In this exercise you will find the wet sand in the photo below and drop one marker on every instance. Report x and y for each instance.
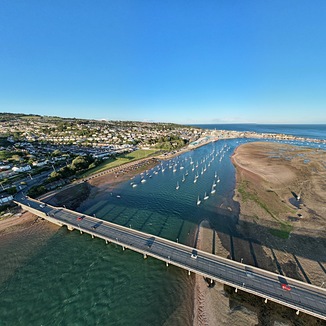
(16, 221)
(214, 305)
(281, 228)
(282, 195)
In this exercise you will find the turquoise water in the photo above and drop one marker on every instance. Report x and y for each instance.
(72, 279)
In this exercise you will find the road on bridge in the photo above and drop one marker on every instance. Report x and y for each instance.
(286, 291)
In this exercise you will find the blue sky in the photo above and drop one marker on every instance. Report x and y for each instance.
(179, 61)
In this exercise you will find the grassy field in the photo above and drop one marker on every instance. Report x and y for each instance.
(122, 159)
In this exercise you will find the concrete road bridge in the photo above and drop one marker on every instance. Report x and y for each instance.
(289, 292)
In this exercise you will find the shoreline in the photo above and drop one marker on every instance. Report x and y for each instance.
(206, 299)
(16, 220)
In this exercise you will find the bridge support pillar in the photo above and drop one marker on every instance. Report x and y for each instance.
(70, 228)
(92, 236)
(123, 248)
(211, 281)
(81, 232)
(297, 312)
(106, 241)
(167, 264)
(145, 256)
(236, 290)
(188, 272)
(266, 300)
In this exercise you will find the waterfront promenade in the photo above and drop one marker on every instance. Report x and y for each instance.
(297, 295)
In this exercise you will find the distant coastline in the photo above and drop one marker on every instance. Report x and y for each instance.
(311, 131)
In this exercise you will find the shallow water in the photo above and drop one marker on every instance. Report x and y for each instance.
(71, 279)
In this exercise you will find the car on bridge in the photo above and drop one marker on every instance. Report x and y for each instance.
(79, 218)
(194, 254)
(284, 283)
(285, 287)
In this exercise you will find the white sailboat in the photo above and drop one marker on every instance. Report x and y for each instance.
(198, 201)
(206, 196)
(177, 187)
(183, 178)
(213, 189)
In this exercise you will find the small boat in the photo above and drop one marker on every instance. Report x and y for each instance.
(187, 172)
(215, 175)
(206, 196)
(195, 180)
(118, 196)
(183, 179)
(181, 167)
(143, 180)
(213, 189)
(134, 185)
(218, 180)
(193, 169)
(177, 187)
(198, 201)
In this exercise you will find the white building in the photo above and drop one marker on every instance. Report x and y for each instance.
(5, 199)
(22, 168)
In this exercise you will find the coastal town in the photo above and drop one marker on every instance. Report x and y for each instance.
(43, 153)
(61, 163)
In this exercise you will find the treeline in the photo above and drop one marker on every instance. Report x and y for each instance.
(79, 165)
(170, 143)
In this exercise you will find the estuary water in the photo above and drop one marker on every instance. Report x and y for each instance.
(72, 279)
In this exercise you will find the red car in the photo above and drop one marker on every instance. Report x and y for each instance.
(285, 287)
(79, 218)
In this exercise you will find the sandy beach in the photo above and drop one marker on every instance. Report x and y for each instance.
(275, 174)
(277, 231)
(281, 191)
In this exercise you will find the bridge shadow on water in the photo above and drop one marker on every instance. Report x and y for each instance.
(224, 220)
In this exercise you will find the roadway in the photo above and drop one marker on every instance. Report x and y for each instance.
(301, 296)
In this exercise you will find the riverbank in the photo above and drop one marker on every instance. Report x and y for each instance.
(13, 222)
(281, 191)
(212, 305)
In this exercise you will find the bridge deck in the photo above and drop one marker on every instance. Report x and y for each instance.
(302, 296)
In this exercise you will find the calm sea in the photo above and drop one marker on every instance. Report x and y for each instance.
(72, 279)
(315, 131)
